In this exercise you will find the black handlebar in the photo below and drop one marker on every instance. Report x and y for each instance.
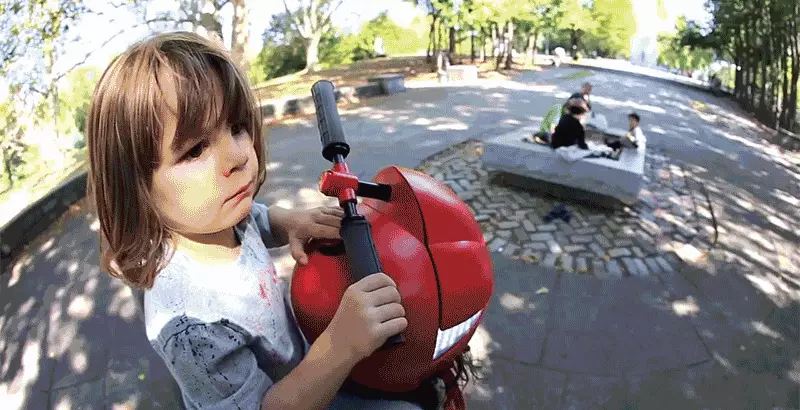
(328, 121)
(356, 231)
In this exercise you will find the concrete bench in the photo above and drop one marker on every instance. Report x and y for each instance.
(390, 83)
(600, 181)
(462, 73)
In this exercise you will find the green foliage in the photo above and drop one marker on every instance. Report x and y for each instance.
(284, 51)
(396, 39)
(675, 53)
(615, 27)
(11, 144)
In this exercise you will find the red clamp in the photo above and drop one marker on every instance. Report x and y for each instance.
(339, 182)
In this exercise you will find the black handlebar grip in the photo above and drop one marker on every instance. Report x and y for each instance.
(363, 256)
(330, 125)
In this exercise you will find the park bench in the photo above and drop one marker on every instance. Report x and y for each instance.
(462, 73)
(389, 83)
(597, 181)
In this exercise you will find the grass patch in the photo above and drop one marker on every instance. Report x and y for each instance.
(576, 75)
(699, 106)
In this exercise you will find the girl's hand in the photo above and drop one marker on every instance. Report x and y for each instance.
(303, 225)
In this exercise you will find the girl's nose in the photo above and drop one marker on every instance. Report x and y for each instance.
(235, 153)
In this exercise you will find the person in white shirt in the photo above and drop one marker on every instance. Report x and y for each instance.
(631, 139)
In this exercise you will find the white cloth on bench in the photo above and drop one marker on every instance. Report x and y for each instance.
(573, 153)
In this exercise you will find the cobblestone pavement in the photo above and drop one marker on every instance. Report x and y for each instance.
(672, 214)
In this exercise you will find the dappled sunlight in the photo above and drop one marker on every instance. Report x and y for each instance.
(778, 222)
(272, 166)
(459, 126)
(686, 307)
(81, 307)
(13, 393)
(422, 121)
(764, 285)
(785, 197)
(481, 345)
(765, 330)
(122, 303)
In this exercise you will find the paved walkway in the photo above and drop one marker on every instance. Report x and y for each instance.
(718, 332)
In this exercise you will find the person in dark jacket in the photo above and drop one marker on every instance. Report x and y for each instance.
(569, 130)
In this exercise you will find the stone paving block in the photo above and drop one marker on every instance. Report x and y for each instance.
(613, 268)
(510, 249)
(619, 252)
(641, 267)
(496, 244)
(586, 231)
(630, 266)
(520, 235)
(504, 234)
(554, 247)
(547, 227)
(580, 265)
(550, 260)
(637, 252)
(541, 237)
(538, 246)
(528, 225)
(581, 239)
(603, 240)
(623, 242)
(665, 266)
(561, 238)
(574, 248)
(597, 249)
(653, 265)
(566, 262)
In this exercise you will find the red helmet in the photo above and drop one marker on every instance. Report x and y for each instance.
(429, 243)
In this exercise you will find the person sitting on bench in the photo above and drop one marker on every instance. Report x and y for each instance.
(585, 93)
(631, 139)
(569, 130)
(549, 123)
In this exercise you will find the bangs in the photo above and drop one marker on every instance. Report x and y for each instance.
(200, 81)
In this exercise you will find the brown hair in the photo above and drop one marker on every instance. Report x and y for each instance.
(124, 131)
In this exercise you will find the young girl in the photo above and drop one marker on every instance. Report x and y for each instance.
(176, 159)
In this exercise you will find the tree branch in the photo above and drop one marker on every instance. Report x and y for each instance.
(294, 21)
(327, 19)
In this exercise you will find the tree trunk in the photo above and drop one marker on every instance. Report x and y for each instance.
(312, 53)
(530, 46)
(483, 45)
(432, 39)
(472, 45)
(510, 45)
(795, 70)
(493, 28)
(500, 50)
(451, 50)
(784, 115)
(239, 34)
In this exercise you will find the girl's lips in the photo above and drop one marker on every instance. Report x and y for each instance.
(240, 193)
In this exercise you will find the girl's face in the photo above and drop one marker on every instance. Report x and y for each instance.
(206, 185)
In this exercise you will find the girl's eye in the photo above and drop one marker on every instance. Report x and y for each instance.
(196, 151)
